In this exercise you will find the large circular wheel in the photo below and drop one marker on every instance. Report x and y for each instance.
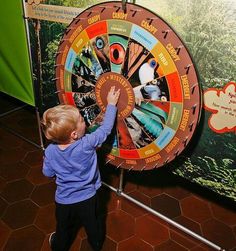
(140, 54)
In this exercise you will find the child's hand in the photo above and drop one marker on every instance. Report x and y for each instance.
(113, 96)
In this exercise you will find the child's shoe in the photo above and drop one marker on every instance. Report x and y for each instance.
(51, 238)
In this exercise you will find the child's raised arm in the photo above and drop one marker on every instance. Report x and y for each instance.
(99, 136)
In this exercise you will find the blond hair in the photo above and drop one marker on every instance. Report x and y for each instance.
(59, 122)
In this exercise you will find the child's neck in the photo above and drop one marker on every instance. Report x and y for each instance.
(65, 145)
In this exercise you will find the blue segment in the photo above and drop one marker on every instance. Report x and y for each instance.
(143, 37)
(70, 60)
(165, 137)
(150, 124)
(115, 143)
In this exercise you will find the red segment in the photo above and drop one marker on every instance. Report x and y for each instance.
(129, 154)
(175, 89)
(97, 29)
(165, 106)
(125, 140)
(69, 98)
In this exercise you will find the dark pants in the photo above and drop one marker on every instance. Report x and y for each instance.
(70, 218)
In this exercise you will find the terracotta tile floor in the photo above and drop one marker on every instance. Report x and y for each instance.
(27, 204)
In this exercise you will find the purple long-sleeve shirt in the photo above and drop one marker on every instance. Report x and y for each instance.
(75, 168)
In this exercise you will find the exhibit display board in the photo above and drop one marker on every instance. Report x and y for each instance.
(15, 72)
(138, 53)
(208, 36)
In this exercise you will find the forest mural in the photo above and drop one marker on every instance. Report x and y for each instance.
(207, 28)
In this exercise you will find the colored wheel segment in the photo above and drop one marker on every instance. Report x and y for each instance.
(141, 55)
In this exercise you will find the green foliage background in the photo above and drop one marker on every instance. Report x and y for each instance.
(208, 30)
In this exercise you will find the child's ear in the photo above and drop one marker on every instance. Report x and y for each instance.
(74, 135)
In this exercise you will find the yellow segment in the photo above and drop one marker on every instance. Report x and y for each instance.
(164, 59)
(80, 42)
(149, 150)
